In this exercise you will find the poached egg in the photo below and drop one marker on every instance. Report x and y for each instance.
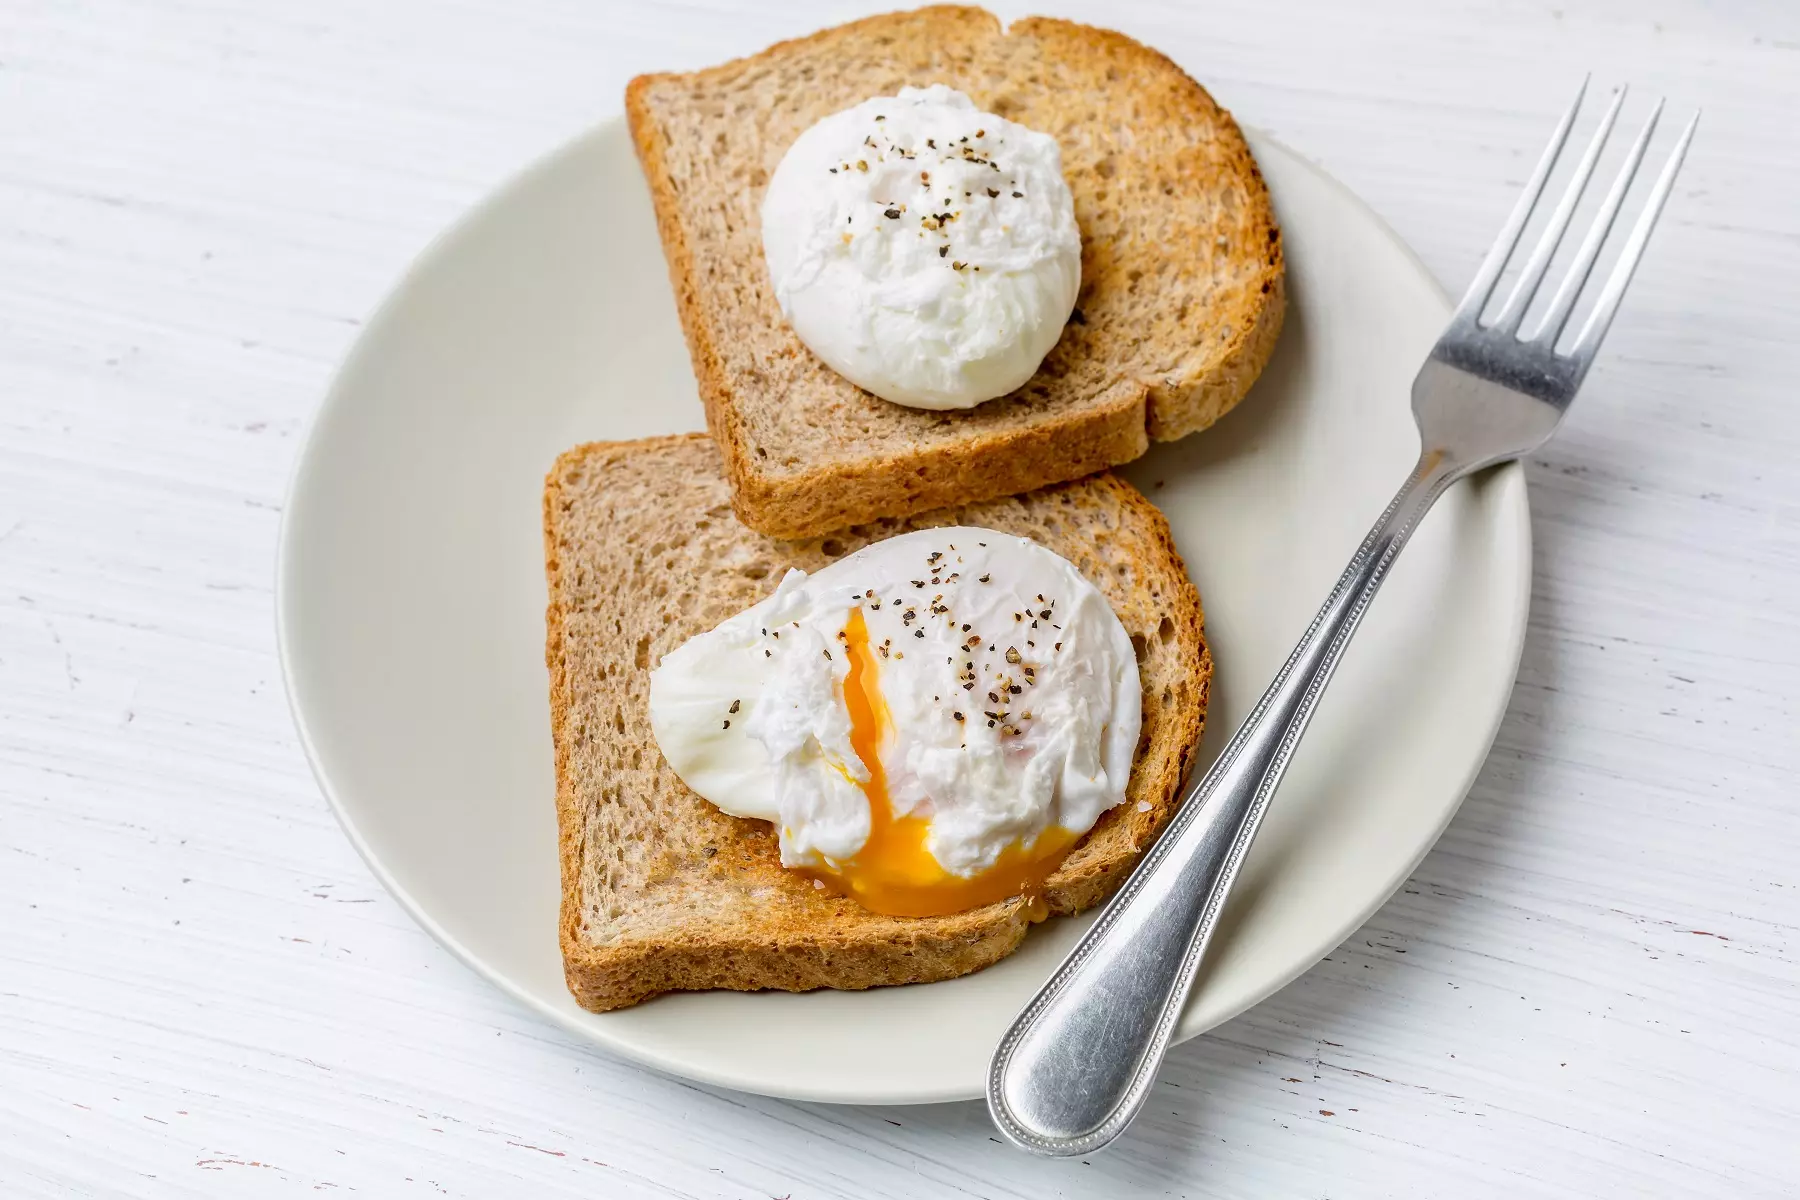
(931, 723)
(925, 250)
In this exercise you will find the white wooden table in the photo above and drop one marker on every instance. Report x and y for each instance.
(1591, 987)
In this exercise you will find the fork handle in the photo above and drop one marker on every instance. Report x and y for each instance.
(1077, 1065)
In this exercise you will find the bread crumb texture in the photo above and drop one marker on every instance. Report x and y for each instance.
(661, 890)
(1182, 288)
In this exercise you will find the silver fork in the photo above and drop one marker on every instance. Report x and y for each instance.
(1076, 1066)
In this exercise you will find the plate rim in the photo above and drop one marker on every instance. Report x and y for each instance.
(1513, 506)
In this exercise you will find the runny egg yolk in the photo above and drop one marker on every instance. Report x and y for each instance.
(894, 872)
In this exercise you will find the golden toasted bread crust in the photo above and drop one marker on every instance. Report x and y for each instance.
(1182, 292)
(662, 891)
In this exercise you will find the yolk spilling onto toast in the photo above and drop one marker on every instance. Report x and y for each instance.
(894, 872)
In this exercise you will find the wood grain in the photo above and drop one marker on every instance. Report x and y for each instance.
(1589, 988)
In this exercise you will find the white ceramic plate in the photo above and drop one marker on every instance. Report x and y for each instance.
(411, 601)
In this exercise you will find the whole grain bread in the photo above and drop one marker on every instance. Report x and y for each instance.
(661, 890)
(1182, 289)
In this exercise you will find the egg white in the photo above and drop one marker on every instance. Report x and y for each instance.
(751, 713)
(925, 250)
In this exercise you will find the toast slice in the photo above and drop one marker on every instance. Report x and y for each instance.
(661, 890)
(1182, 287)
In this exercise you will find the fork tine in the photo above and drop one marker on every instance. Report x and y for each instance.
(1477, 296)
(1551, 327)
(1513, 314)
(1608, 304)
